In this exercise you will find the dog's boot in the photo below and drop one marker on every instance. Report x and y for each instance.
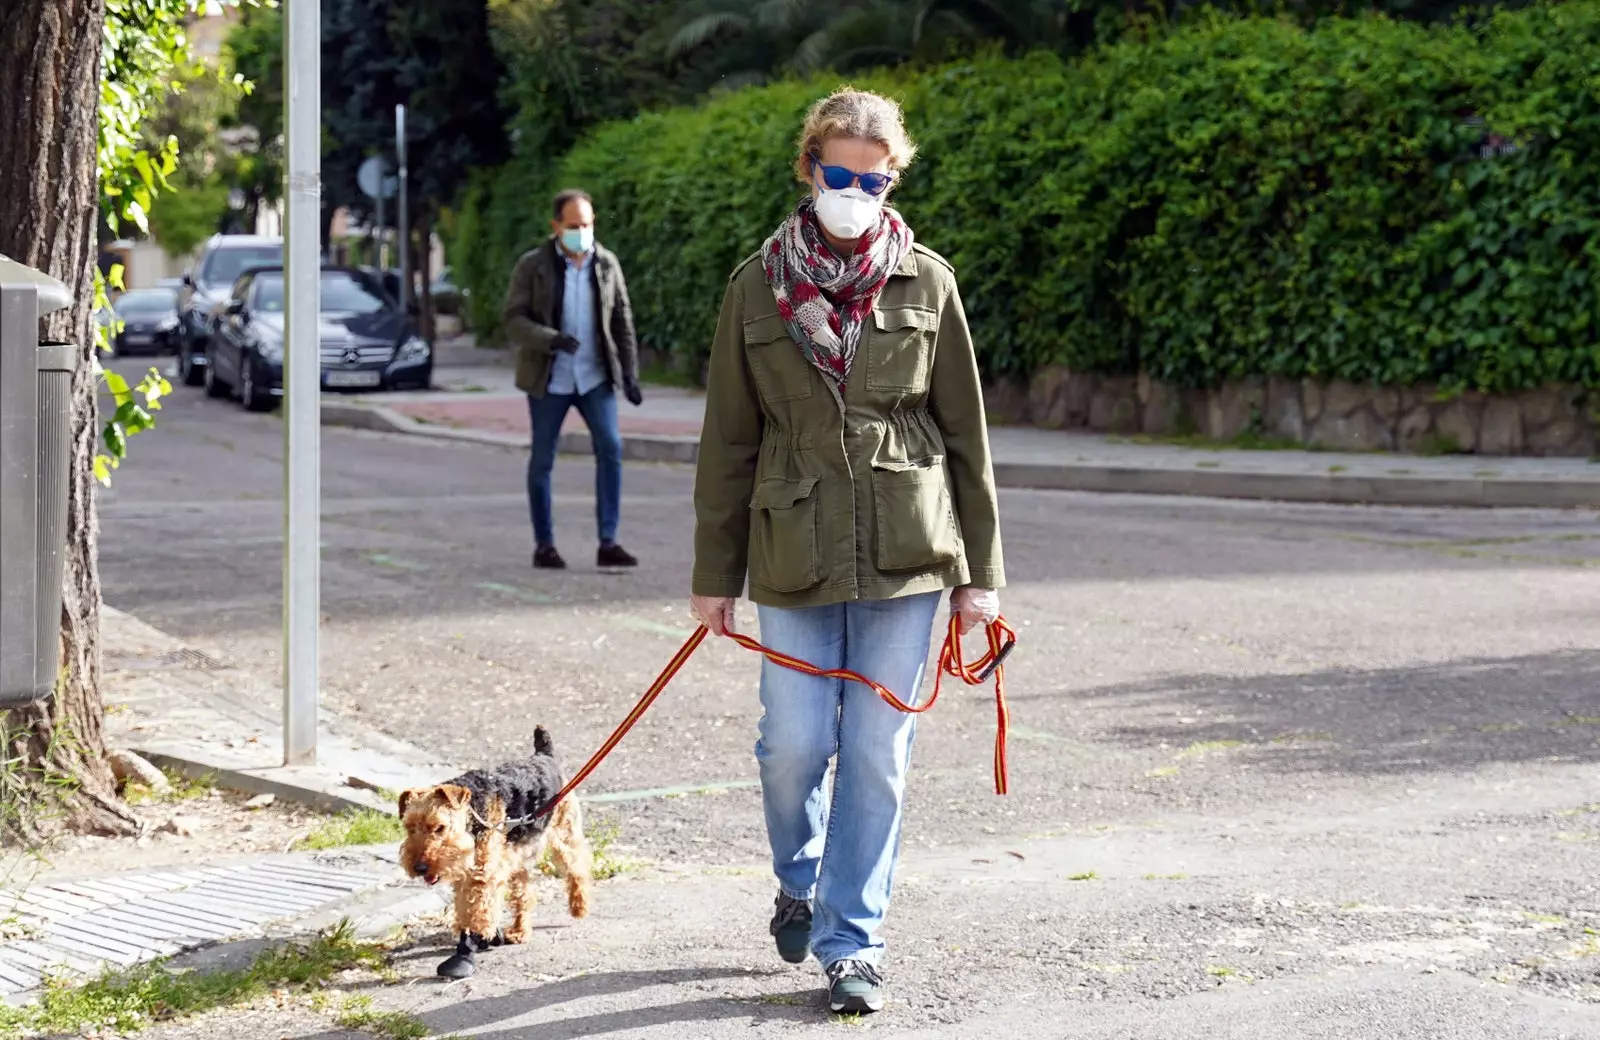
(791, 928)
(462, 963)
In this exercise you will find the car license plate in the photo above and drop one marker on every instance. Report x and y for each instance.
(352, 378)
(137, 339)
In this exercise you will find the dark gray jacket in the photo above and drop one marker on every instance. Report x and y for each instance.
(532, 316)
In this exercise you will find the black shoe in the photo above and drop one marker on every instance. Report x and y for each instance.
(462, 963)
(613, 555)
(546, 558)
(854, 988)
(791, 928)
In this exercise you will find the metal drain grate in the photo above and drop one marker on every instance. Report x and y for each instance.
(86, 926)
(184, 658)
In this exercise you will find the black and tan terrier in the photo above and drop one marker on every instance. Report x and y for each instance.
(478, 832)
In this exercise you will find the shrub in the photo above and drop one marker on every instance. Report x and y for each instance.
(1238, 197)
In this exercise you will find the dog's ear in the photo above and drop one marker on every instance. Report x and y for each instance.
(405, 799)
(454, 795)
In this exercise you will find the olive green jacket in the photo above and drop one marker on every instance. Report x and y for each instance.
(883, 492)
(532, 316)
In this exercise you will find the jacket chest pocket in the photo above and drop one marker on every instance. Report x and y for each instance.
(780, 370)
(783, 533)
(900, 354)
(915, 519)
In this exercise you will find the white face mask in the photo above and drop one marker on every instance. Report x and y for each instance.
(848, 213)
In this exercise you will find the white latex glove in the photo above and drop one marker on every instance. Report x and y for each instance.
(976, 607)
(714, 612)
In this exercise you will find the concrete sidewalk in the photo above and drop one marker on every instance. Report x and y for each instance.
(181, 708)
(477, 401)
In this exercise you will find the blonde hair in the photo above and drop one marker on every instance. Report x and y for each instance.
(854, 113)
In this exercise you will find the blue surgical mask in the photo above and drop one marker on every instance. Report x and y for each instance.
(577, 241)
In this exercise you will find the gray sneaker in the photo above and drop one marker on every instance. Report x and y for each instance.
(854, 988)
(791, 927)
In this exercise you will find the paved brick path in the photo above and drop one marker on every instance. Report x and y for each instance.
(500, 414)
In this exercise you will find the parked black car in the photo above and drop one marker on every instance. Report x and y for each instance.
(367, 342)
(149, 322)
(205, 289)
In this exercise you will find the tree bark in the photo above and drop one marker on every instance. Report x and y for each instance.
(49, 206)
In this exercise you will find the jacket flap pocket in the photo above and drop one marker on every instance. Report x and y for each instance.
(907, 465)
(890, 319)
(768, 329)
(782, 493)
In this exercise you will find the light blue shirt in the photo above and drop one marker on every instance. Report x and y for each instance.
(581, 372)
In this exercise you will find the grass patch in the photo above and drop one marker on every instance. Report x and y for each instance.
(1544, 918)
(1202, 747)
(659, 374)
(1249, 440)
(182, 789)
(358, 1013)
(1439, 444)
(1338, 469)
(602, 835)
(1580, 720)
(1593, 807)
(1086, 876)
(1502, 727)
(1221, 971)
(1161, 771)
(361, 827)
(134, 999)
(1166, 877)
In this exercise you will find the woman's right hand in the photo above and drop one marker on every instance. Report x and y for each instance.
(714, 612)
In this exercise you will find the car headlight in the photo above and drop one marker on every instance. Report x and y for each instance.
(270, 350)
(413, 349)
(168, 323)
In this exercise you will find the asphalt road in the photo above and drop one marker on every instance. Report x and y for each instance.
(1277, 770)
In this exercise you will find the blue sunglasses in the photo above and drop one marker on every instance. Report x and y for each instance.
(838, 178)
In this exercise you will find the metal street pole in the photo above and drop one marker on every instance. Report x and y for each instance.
(378, 252)
(302, 378)
(400, 222)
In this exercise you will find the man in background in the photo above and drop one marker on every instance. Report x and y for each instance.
(571, 326)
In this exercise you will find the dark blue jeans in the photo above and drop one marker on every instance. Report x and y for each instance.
(546, 414)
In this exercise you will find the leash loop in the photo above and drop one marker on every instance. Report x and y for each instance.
(1002, 640)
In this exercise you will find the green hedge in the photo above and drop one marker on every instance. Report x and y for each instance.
(1240, 197)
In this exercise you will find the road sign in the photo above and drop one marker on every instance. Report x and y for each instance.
(376, 178)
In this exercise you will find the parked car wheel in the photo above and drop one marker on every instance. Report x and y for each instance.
(215, 387)
(190, 373)
(254, 398)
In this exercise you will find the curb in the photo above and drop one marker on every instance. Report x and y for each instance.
(1330, 488)
(308, 792)
(635, 447)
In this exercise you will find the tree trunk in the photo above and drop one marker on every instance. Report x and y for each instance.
(49, 205)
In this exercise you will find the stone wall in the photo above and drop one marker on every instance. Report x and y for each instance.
(1335, 415)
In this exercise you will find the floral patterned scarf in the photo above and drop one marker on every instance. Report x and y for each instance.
(824, 298)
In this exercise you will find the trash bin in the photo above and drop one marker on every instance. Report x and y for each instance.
(35, 453)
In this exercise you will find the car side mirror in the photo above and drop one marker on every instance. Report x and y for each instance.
(236, 307)
(188, 280)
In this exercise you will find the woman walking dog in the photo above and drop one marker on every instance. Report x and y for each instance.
(844, 468)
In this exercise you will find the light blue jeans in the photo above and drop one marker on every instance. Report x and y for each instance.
(840, 852)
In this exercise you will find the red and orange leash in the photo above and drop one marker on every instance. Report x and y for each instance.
(1002, 639)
